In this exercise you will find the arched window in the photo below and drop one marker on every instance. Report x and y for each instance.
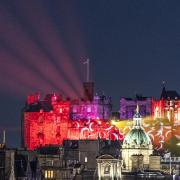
(107, 169)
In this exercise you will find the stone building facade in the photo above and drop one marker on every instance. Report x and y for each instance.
(99, 108)
(136, 144)
(109, 167)
(128, 106)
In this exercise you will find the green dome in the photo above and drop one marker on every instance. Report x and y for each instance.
(137, 137)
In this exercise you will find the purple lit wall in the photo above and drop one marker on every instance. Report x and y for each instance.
(128, 106)
(99, 108)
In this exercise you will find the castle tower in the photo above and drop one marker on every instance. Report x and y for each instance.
(88, 90)
(88, 86)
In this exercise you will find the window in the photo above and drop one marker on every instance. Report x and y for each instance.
(60, 110)
(85, 159)
(74, 109)
(107, 169)
(49, 174)
(88, 109)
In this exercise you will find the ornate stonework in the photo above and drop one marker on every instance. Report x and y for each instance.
(109, 167)
(136, 142)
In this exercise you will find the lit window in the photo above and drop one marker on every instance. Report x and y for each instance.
(85, 159)
(49, 174)
(168, 115)
(52, 174)
(156, 112)
(88, 109)
(171, 103)
(46, 174)
(75, 109)
(178, 114)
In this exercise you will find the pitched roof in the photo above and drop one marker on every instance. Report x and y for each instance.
(169, 95)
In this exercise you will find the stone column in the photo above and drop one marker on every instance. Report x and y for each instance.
(99, 172)
(112, 170)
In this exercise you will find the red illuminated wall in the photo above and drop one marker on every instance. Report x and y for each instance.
(157, 108)
(168, 109)
(44, 128)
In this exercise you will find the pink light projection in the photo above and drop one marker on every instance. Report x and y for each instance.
(45, 30)
(72, 21)
(19, 72)
(48, 71)
(32, 52)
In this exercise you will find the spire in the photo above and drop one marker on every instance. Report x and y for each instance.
(163, 93)
(4, 137)
(137, 108)
(137, 118)
(163, 84)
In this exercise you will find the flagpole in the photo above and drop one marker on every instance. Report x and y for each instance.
(87, 70)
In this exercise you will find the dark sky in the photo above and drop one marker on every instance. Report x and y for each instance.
(133, 46)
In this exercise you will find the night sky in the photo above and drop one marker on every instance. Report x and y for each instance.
(133, 46)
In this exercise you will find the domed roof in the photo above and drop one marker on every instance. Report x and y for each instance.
(137, 137)
(106, 156)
